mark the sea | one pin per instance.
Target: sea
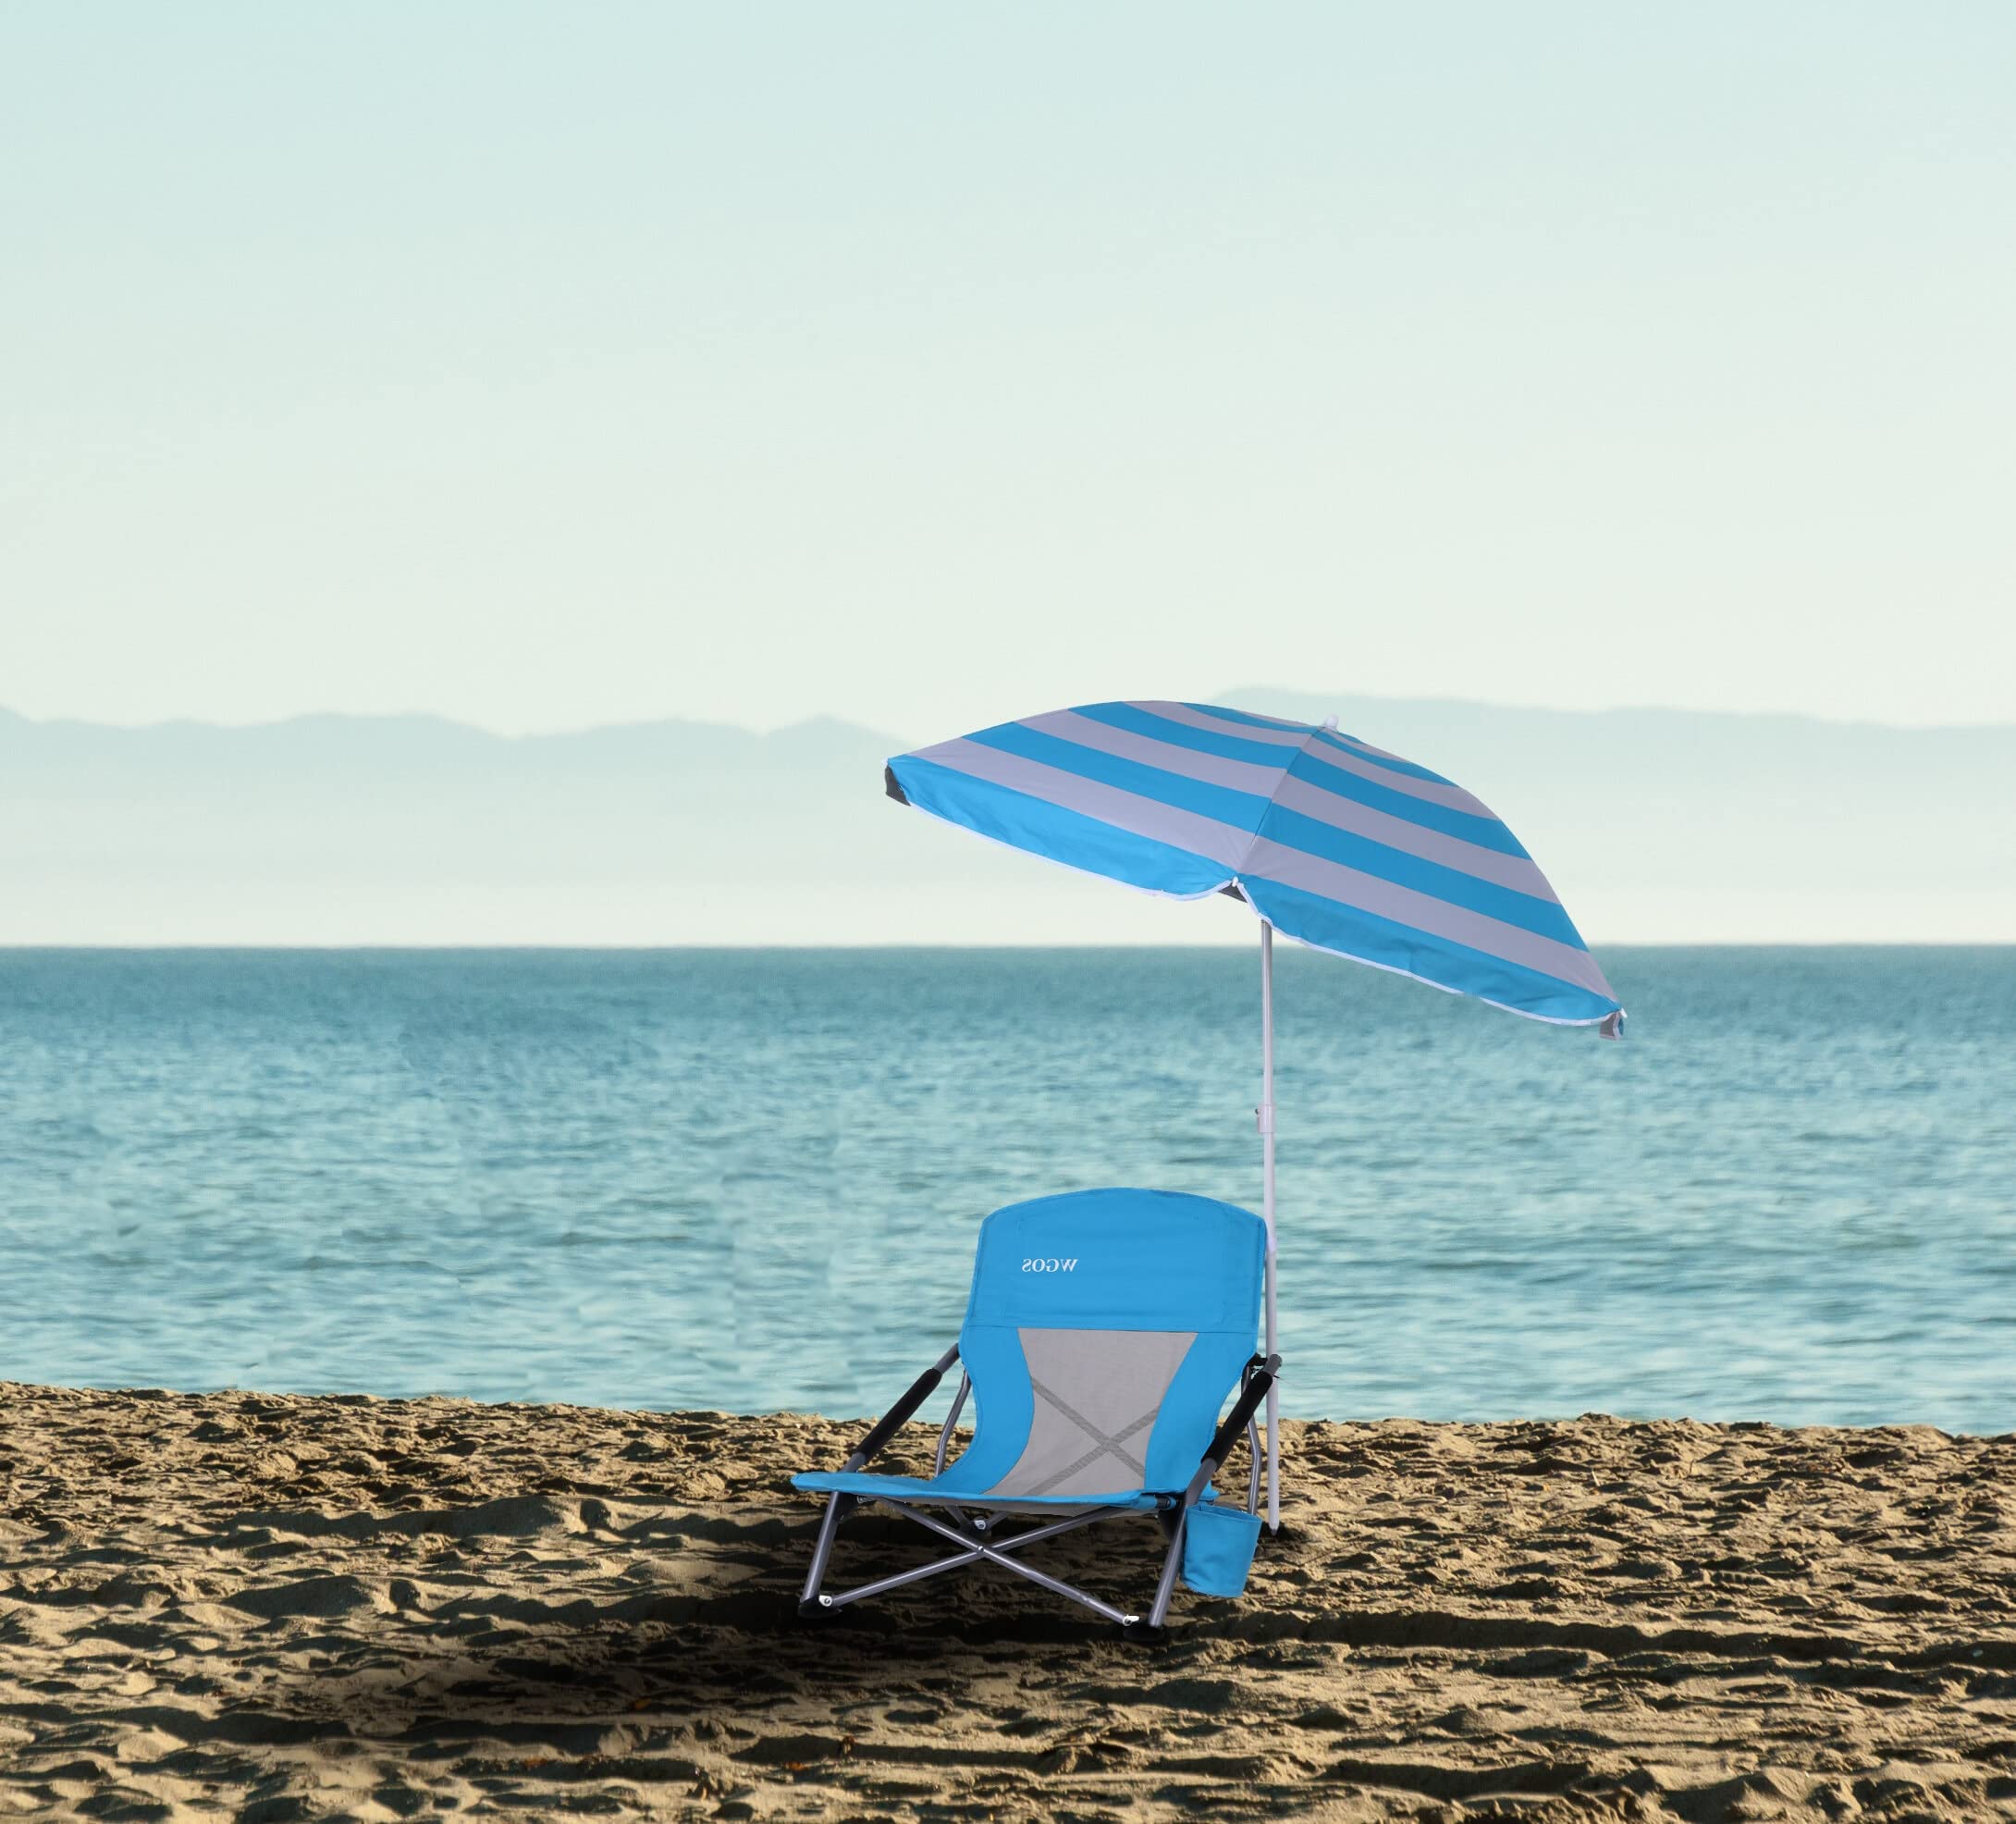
(750, 1180)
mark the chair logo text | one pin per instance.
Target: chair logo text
(1052, 1264)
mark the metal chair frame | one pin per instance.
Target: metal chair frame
(973, 1533)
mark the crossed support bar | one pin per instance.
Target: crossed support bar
(975, 1546)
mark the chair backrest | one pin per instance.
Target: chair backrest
(1104, 1331)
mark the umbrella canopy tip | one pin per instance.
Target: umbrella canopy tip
(1331, 723)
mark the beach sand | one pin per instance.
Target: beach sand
(266, 1608)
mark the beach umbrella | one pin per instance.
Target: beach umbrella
(1333, 842)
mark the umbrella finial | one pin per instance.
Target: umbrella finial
(1331, 723)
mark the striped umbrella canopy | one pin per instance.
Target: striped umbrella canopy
(1338, 843)
(1332, 841)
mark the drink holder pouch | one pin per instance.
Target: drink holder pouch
(1218, 1542)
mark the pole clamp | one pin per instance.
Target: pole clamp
(1263, 1117)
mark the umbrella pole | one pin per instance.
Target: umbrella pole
(1267, 1209)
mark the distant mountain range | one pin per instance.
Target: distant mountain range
(1656, 825)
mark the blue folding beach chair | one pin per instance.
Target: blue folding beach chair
(1104, 1333)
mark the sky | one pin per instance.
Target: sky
(548, 366)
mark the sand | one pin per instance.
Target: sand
(264, 1608)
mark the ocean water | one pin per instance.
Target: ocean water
(751, 1180)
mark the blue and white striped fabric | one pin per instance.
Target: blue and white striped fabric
(1335, 842)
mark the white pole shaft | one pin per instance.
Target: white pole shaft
(1267, 1210)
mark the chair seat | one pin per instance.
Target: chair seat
(931, 1493)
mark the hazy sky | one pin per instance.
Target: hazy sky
(554, 366)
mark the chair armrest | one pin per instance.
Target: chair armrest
(1236, 1422)
(898, 1415)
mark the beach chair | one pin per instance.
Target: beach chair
(1104, 1333)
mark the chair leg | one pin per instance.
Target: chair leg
(1151, 1631)
(836, 1510)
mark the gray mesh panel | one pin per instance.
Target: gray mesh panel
(1097, 1395)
